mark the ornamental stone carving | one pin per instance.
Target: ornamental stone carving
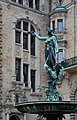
(25, 57)
(18, 50)
(33, 62)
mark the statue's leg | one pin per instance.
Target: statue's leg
(50, 71)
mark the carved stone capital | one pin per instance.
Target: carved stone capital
(66, 75)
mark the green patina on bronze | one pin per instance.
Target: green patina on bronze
(54, 69)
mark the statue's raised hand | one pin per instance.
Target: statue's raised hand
(33, 33)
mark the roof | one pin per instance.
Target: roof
(60, 8)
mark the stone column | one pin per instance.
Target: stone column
(25, 116)
(7, 116)
(7, 111)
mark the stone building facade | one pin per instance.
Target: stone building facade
(22, 75)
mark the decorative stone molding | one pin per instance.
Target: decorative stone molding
(18, 50)
(58, 3)
(66, 75)
(8, 6)
(27, 12)
(73, 91)
(72, 116)
(18, 89)
(8, 101)
(60, 37)
(0, 62)
(72, 97)
(33, 62)
(25, 56)
(42, 8)
(58, 15)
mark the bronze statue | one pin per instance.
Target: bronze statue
(54, 69)
(51, 50)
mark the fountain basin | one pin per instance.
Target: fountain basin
(47, 107)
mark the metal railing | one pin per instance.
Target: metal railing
(69, 62)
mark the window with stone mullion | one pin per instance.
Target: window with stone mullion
(33, 77)
(34, 4)
(25, 29)
(18, 32)
(32, 42)
(37, 4)
(31, 3)
(23, 37)
(25, 74)
(18, 37)
(25, 41)
(18, 69)
(20, 2)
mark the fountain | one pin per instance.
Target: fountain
(53, 107)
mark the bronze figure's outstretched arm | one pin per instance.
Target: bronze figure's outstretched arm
(39, 37)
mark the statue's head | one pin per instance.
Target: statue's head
(49, 31)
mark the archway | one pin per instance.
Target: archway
(14, 117)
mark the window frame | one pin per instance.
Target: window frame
(60, 25)
(37, 5)
(32, 42)
(33, 79)
(20, 2)
(60, 55)
(18, 37)
(22, 31)
(31, 4)
(25, 79)
(32, 45)
(25, 41)
(18, 70)
(53, 25)
(19, 75)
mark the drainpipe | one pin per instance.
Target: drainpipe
(50, 4)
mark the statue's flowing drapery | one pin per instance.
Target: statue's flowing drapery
(54, 69)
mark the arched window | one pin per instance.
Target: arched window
(23, 36)
(26, 55)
